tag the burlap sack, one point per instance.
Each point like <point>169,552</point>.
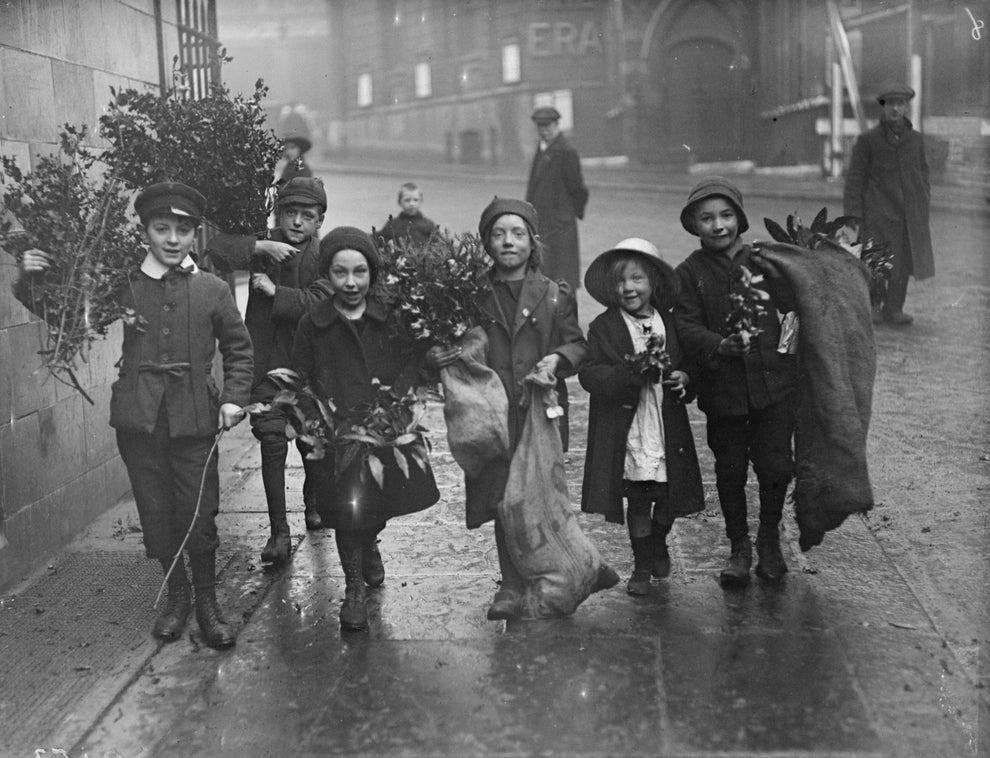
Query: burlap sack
<point>559,565</point>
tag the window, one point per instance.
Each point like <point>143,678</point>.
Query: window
<point>364,94</point>
<point>511,72</point>
<point>424,86</point>
<point>197,24</point>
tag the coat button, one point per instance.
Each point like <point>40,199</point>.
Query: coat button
<point>167,307</point>
<point>166,331</point>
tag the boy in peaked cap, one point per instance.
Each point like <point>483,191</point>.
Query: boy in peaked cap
<point>745,390</point>
<point>165,406</point>
<point>285,284</point>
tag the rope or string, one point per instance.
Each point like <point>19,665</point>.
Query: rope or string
<point>199,500</point>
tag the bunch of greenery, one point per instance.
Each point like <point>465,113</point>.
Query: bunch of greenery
<point>653,363</point>
<point>387,428</point>
<point>78,216</point>
<point>218,144</point>
<point>437,286</point>
<point>748,304</point>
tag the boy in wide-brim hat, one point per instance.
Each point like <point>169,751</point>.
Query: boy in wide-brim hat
<point>165,406</point>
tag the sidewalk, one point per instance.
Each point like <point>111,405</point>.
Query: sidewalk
<point>841,660</point>
<point>637,178</point>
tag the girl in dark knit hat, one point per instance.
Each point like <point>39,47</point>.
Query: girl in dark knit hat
<point>341,348</point>
<point>744,388</point>
<point>532,321</point>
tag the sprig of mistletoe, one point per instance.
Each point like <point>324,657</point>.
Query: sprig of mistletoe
<point>78,217</point>
<point>653,362</point>
<point>748,305</point>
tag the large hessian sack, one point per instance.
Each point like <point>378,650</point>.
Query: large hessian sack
<point>476,412</point>
<point>559,565</point>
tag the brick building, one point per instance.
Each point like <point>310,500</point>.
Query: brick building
<point>59,466</point>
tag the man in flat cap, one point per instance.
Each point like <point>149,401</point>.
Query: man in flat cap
<point>556,189</point>
<point>887,189</point>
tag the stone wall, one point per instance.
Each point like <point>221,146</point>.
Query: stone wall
<point>59,466</point>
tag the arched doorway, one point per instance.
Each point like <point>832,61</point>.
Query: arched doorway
<point>696,94</point>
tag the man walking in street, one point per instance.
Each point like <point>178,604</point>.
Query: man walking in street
<point>556,189</point>
<point>887,189</point>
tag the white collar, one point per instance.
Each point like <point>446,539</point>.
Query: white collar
<point>154,268</point>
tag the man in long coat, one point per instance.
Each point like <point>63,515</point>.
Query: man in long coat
<point>887,188</point>
<point>556,189</point>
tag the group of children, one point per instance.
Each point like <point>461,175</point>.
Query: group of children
<point>312,308</point>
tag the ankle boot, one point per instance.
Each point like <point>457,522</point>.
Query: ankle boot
<point>172,617</point>
<point>770,563</point>
<point>279,545</point>
<point>354,610</point>
<point>639,582</point>
<point>217,633</point>
<point>736,571</point>
<point>313,518</point>
<point>660,568</point>
<point>505,604</point>
<point>372,566</point>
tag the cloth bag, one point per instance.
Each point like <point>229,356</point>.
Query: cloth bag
<point>559,565</point>
<point>476,412</point>
<point>835,385</point>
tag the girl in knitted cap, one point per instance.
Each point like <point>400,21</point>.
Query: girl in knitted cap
<point>532,323</point>
<point>640,444</point>
<point>341,348</point>
<point>744,387</point>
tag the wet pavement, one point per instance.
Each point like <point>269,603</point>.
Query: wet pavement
<point>839,660</point>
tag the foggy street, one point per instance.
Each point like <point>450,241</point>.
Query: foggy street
<point>875,644</point>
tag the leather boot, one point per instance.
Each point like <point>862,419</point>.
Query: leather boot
<point>178,602</point>
<point>372,566</point>
<point>660,568</point>
<point>279,546</point>
<point>770,563</point>
<point>505,604</point>
<point>217,633</point>
<point>639,582</point>
<point>354,610</point>
<point>736,571</point>
<point>313,518</point>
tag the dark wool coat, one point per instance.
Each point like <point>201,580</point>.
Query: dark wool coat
<point>545,322</point>
<point>728,385</point>
<point>887,187</point>
<point>272,321</point>
<point>416,227</point>
<point>340,363</point>
<point>557,191</point>
<point>170,356</point>
<point>614,398</point>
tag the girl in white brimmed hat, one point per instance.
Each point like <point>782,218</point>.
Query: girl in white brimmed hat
<point>640,445</point>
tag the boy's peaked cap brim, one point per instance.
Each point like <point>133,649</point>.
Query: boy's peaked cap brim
<point>596,278</point>
<point>713,186</point>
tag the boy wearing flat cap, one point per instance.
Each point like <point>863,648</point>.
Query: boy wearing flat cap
<point>165,405</point>
<point>887,188</point>
<point>744,389</point>
<point>285,284</point>
<point>556,189</point>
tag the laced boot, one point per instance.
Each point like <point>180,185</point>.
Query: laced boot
<point>172,618</point>
<point>217,633</point>
<point>372,566</point>
<point>770,563</point>
<point>639,582</point>
<point>505,604</point>
<point>354,609</point>
<point>660,568</point>
<point>736,571</point>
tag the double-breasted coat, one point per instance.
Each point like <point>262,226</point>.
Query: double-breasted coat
<point>887,187</point>
<point>556,189</point>
<point>545,322</point>
<point>614,399</point>
<point>340,361</point>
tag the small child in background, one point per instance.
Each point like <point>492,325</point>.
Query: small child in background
<point>640,444</point>
<point>410,223</point>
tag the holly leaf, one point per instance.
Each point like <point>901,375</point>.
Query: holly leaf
<point>818,225</point>
<point>776,231</point>
<point>401,462</point>
<point>377,470</point>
